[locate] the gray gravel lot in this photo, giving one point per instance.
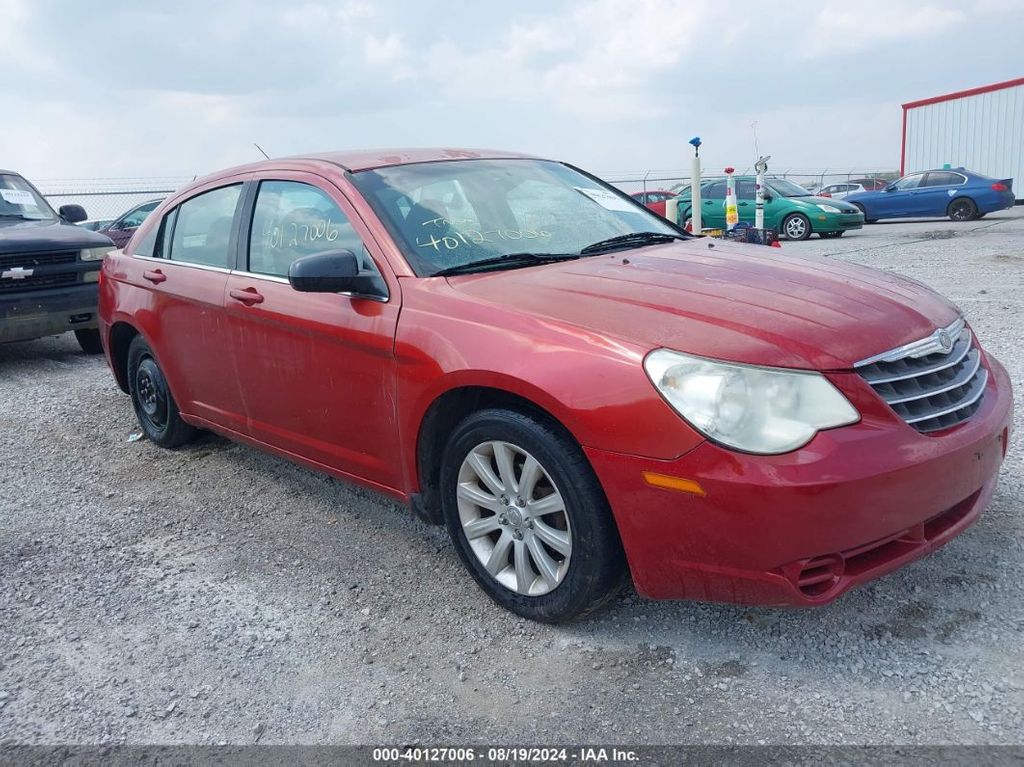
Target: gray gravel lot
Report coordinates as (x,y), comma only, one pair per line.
(217,594)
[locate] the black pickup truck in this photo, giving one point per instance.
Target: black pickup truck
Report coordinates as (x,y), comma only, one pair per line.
(49,268)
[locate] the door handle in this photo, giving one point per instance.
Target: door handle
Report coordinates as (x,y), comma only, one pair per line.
(249,296)
(155,276)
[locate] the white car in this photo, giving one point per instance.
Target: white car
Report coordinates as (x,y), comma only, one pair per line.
(839,191)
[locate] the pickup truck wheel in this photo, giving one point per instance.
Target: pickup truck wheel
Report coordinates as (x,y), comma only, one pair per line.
(89,340)
(528,517)
(154,406)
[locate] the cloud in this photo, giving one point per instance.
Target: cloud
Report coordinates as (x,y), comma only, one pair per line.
(840,27)
(608,84)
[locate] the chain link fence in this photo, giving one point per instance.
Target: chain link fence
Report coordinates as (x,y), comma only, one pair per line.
(672,180)
(108,198)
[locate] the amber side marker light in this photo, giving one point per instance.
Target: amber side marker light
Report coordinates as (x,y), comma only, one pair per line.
(673,483)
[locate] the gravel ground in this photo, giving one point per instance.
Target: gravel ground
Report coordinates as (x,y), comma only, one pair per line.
(216,594)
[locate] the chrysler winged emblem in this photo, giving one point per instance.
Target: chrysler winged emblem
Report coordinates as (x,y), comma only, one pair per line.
(945,340)
(17,273)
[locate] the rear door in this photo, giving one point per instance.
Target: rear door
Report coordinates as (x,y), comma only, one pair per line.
(316,371)
(746,199)
(712,214)
(181,274)
(938,188)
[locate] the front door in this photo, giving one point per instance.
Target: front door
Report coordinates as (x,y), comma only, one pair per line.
(316,371)
(901,199)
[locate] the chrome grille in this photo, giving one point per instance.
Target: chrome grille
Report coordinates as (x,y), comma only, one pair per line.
(933,383)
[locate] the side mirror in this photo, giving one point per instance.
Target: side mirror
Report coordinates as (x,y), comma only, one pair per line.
(333,271)
(889,187)
(767,196)
(72,213)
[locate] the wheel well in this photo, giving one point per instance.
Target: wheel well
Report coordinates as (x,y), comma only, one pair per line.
(443,415)
(121,335)
(957,199)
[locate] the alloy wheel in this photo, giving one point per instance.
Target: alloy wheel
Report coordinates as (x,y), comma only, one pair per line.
(796,228)
(514,518)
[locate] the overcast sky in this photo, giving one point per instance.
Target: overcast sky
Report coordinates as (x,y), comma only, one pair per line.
(135,89)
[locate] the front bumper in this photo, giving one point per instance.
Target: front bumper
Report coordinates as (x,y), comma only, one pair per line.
(37,313)
(802,528)
(836,222)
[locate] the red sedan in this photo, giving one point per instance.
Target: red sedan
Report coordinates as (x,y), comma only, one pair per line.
(571,384)
(654,201)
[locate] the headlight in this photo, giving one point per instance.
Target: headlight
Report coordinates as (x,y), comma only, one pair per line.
(830,208)
(754,409)
(96,254)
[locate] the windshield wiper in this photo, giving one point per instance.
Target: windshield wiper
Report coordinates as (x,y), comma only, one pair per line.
(632,240)
(17,215)
(508,260)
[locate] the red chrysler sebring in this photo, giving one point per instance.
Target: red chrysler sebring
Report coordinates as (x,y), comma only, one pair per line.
(570,383)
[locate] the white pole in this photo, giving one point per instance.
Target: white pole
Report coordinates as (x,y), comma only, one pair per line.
(696,226)
(760,166)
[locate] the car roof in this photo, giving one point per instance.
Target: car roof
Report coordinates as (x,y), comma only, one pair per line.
(368,159)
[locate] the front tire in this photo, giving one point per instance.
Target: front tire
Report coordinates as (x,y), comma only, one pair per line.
(962,209)
(89,340)
(796,226)
(528,517)
(154,406)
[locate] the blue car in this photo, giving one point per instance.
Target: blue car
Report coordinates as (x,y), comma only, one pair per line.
(957,193)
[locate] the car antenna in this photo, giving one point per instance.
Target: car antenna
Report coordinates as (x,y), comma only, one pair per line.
(261,150)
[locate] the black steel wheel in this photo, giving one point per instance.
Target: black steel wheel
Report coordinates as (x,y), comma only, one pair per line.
(154,406)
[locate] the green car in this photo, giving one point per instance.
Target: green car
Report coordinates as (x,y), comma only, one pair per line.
(788,208)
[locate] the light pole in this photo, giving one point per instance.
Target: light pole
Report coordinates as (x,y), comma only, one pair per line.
(760,166)
(695,222)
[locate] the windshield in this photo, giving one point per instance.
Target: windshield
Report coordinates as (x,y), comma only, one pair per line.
(19,200)
(450,214)
(787,188)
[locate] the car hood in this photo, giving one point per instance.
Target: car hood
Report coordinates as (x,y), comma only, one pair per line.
(744,303)
(843,206)
(17,236)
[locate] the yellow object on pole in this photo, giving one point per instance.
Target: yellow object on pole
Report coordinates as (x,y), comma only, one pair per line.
(732,213)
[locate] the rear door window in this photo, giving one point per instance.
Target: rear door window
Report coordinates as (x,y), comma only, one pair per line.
(943,178)
(715,191)
(201,233)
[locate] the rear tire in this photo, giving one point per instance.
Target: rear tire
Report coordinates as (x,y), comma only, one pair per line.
(796,226)
(528,517)
(962,209)
(89,340)
(154,406)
